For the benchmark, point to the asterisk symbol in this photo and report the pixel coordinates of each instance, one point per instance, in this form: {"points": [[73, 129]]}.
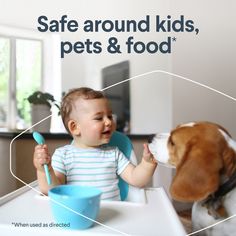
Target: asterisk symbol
{"points": [[174, 39]]}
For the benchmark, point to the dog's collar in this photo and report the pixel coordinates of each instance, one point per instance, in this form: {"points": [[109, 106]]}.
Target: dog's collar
{"points": [[214, 203], [226, 187]]}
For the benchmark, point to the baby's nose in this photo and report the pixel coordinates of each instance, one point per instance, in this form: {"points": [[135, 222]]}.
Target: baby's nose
{"points": [[108, 121]]}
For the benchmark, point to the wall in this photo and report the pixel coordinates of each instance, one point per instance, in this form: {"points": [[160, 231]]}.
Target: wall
{"points": [[208, 58]]}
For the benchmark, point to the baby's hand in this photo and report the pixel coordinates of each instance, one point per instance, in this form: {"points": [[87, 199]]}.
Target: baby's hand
{"points": [[147, 155], [41, 157]]}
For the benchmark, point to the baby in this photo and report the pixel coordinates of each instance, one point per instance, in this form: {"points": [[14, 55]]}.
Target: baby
{"points": [[87, 116]]}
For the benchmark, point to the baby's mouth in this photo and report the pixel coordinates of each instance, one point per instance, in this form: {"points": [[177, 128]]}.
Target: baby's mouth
{"points": [[106, 132]]}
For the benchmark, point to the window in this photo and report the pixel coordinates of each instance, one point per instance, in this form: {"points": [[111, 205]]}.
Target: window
{"points": [[27, 60], [28, 77], [20, 74], [4, 78]]}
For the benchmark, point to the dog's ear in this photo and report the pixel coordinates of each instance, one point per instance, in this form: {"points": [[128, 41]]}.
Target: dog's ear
{"points": [[197, 175]]}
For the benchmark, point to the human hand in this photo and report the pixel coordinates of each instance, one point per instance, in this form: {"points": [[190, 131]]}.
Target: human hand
{"points": [[41, 157], [147, 155]]}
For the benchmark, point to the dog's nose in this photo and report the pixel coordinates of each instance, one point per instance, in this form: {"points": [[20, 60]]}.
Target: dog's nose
{"points": [[151, 137]]}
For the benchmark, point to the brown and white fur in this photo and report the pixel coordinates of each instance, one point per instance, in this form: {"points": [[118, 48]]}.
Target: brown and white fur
{"points": [[204, 155]]}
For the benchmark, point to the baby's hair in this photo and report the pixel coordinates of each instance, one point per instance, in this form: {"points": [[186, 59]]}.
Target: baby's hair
{"points": [[69, 99]]}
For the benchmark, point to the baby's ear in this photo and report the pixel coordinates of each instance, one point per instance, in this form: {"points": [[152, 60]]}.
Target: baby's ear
{"points": [[74, 127]]}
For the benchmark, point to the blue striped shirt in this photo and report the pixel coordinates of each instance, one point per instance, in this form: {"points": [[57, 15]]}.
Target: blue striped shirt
{"points": [[96, 167]]}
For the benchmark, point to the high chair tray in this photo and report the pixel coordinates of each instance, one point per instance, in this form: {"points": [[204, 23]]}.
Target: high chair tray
{"points": [[25, 212]]}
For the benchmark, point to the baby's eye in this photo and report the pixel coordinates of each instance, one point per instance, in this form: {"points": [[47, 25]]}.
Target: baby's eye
{"points": [[110, 117], [98, 118]]}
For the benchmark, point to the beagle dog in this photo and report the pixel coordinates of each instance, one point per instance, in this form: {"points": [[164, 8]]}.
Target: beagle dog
{"points": [[204, 155]]}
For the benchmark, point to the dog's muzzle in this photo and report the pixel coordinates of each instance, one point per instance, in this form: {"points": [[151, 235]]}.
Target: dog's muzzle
{"points": [[158, 147]]}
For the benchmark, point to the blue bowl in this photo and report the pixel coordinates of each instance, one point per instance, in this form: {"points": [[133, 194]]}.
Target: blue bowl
{"points": [[81, 199]]}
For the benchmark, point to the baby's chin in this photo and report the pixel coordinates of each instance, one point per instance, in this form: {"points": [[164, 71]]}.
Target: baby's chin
{"points": [[106, 140]]}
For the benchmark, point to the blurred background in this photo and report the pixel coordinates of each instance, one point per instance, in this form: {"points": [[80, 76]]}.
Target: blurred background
{"points": [[152, 103], [30, 60]]}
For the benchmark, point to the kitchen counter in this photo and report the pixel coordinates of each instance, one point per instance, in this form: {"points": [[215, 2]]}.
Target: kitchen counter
{"points": [[28, 135], [22, 150]]}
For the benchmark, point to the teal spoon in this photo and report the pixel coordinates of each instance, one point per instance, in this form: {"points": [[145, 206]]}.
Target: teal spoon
{"points": [[40, 140]]}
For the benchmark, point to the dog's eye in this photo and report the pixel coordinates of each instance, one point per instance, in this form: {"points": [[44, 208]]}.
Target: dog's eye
{"points": [[171, 142]]}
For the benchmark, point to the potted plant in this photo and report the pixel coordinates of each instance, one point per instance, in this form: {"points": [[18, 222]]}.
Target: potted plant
{"points": [[41, 104]]}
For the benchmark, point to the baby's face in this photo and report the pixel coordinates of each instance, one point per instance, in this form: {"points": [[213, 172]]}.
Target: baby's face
{"points": [[94, 119]]}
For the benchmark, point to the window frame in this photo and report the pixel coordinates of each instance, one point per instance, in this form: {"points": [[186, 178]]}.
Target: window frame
{"points": [[50, 65]]}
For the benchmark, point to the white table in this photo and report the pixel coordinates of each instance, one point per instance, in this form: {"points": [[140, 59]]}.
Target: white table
{"points": [[25, 212]]}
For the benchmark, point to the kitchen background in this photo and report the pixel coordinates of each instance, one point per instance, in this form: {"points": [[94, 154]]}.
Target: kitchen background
{"points": [[158, 101]]}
